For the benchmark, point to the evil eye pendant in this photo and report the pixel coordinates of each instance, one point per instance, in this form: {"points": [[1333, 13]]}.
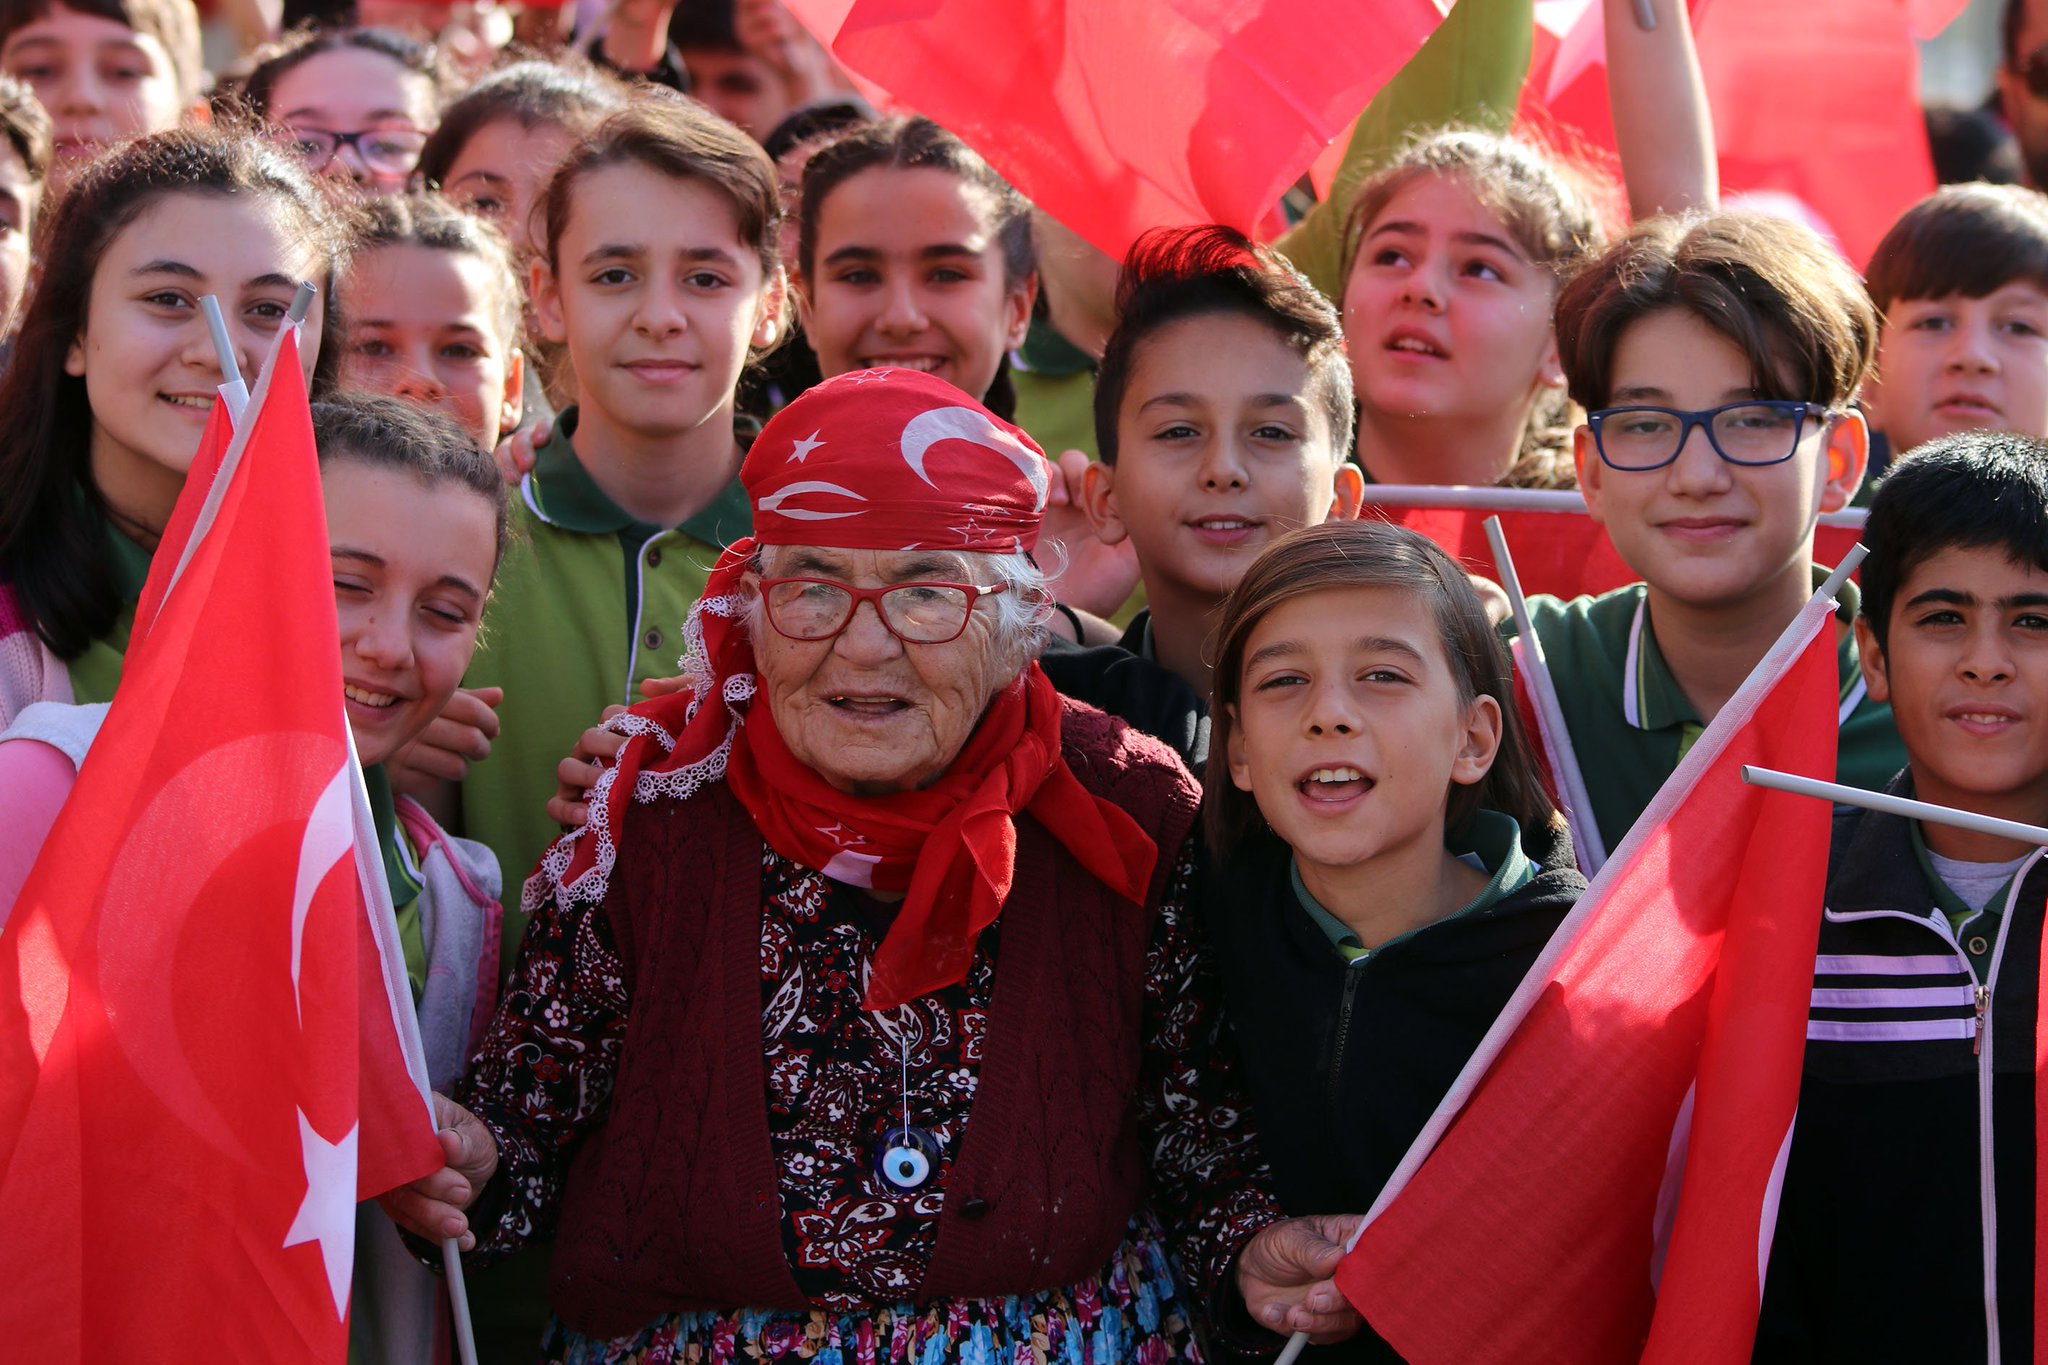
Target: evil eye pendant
{"points": [[907, 1159]]}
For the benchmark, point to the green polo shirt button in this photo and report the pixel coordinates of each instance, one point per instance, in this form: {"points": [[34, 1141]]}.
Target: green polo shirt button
{"points": [[1977, 946], [654, 556], [653, 639]]}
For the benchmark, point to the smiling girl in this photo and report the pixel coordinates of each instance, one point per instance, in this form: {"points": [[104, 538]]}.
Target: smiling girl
{"points": [[355, 104], [433, 311], [1388, 865], [659, 279], [114, 375], [914, 253]]}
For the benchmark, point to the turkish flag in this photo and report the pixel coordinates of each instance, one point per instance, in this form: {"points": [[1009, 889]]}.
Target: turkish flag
{"points": [[1115, 116], [1558, 548], [1816, 105], [1600, 1184], [201, 1065]]}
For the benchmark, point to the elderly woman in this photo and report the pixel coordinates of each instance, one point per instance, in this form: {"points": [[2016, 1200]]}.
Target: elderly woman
{"points": [[864, 1020]]}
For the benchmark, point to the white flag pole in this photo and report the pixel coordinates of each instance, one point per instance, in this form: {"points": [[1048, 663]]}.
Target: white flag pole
{"points": [[232, 390], [1555, 735], [1895, 805], [376, 890]]}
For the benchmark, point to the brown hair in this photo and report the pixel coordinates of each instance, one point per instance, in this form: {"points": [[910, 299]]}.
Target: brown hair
{"points": [[1546, 205], [564, 91], [295, 49], [1771, 286], [1372, 554], [1176, 273], [173, 23], [387, 433], [52, 537], [1963, 239], [428, 220], [679, 138]]}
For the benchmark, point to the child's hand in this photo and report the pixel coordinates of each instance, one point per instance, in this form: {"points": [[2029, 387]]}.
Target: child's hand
{"points": [[578, 773], [1096, 577], [1493, 597], [515, 453], [1284, 1274], [459, 736]]}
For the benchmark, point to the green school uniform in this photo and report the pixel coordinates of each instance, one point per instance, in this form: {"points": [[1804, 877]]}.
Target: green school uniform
{"points": [[97, 672], [1630, 722], [1490, 843], [589, 604]]}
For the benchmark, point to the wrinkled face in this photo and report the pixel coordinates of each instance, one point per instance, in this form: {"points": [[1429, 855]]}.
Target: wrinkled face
{"points": [[1701, 530], [656, 297], [1444, 312], [425, 325], [909, 272], [1966, 673], [412, 563], [869, 713], [1961, 364], [1349, 731], [102, 83], [502, 172], [1221, 449], [739, 87], [353, 90], [20, 197], [145, 354]]}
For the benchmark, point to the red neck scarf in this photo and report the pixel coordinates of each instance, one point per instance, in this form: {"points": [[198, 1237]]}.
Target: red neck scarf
{"points": [[850, 464]]}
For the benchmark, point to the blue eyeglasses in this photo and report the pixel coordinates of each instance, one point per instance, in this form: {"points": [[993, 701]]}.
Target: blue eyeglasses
{"points": [[1755, 433]]}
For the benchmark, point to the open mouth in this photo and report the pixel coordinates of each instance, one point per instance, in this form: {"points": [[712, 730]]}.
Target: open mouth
{"points": [[866, 707], [1334, 784], [196, 402], [923, 364], [1225, 530], [1412, 343], [363, 696]]}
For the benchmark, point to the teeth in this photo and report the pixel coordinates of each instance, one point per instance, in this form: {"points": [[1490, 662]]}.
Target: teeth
{"points": [[178, 400], [1412, 344], [923, 364], [1333, 775], [1225, 524], [367, 697]]}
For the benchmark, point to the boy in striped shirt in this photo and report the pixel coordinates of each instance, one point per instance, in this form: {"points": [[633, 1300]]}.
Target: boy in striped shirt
{"points": [[1906, 1228]]}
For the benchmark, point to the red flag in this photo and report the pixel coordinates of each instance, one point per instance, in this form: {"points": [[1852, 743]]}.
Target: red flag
{"points": [[1558, 549], [1119, 115], [200, 1072], [1604, 1174], [1844, 73]]}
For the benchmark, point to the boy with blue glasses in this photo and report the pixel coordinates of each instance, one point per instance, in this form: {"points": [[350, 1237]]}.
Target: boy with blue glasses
{"points": [[1717, 358]]}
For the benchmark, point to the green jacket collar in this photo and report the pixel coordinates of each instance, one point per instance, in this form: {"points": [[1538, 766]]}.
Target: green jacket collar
{"points": [[561, 493], [1491, 839]]}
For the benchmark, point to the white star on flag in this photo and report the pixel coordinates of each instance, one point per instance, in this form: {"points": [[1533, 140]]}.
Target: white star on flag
{"points": [[840, 835], [804, 447], [864, 376], [328, 1214]]}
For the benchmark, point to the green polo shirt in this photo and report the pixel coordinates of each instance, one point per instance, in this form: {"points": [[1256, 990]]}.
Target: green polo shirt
{"points": [[97, 672], [1976, 930], [1490, 843], [589, 604], [1631, 723]]}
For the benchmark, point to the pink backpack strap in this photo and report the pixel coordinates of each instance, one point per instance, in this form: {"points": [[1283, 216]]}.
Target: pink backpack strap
{"points": [[424, 832]]}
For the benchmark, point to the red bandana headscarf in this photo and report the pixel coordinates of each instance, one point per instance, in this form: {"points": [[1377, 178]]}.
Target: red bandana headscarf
{"points": [[882, 460]]}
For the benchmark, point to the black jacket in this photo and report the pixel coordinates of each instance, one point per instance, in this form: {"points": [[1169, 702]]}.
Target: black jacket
{"points": [[1346, 1063], [1879, 1250], [1144, 695]]}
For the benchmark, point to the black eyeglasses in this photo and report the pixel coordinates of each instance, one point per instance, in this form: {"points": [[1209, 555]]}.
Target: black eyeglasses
{"points": [[1741, 433], [916, 613], [386, 151]]}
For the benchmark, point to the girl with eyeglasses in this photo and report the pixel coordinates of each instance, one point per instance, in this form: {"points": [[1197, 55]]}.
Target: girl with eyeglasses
{"points": [[354, 104]]}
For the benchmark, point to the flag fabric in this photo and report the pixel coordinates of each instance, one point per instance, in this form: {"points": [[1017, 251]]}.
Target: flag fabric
{"points": [[1845, 73], [1115, 116], [1600, 1183], [1558, 548], [201, 1066]]}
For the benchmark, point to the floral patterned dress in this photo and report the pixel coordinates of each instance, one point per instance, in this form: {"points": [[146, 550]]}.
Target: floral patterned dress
{"points": [[840, 1076]]}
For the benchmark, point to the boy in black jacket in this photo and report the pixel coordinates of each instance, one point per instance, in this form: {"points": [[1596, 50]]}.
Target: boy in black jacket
{"points": [[1906, 1229]]}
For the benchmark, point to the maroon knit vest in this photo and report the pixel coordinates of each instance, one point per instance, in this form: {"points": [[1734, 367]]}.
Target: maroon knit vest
{"points": [[672, 1204]]}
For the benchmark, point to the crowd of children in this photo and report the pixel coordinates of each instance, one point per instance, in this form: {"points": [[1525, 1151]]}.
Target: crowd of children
{"points": [[557, 299]]}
